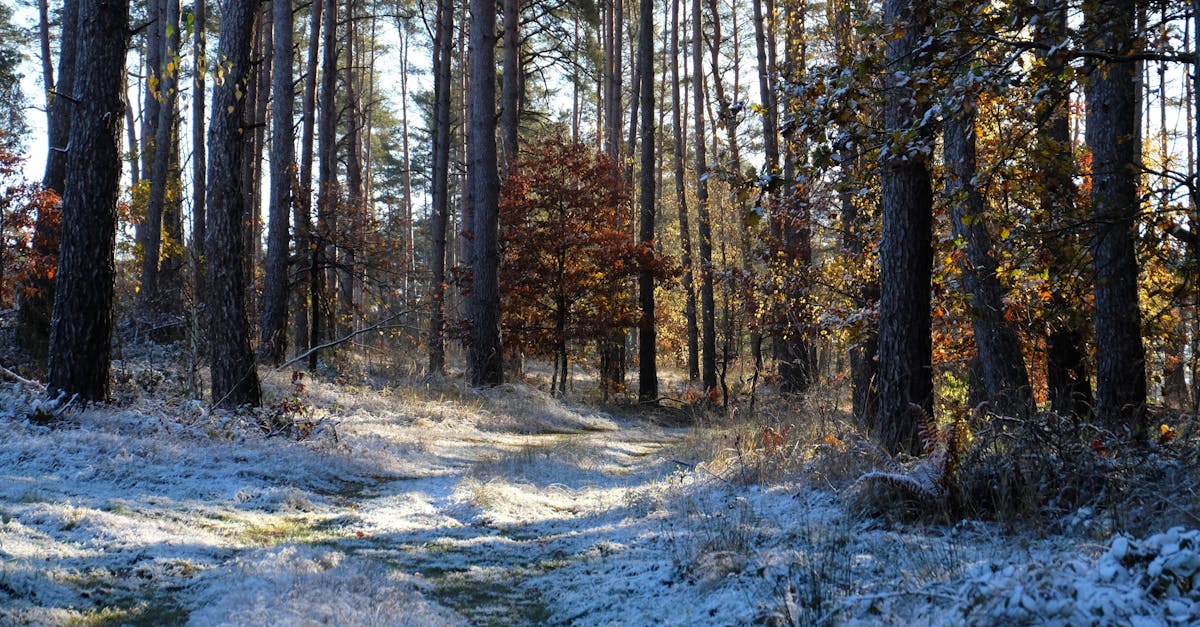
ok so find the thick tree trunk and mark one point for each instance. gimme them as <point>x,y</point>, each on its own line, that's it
<point>81,328</point>
<point>283,163</point>
<point>33,320</point>
<point>906,253</point>
<point>1001,364</point>
<point>440,211</point>
<point>647,349</point>
<point>685,235</point>
<point>708,353</point>
<point>1112,134</point>
<point>486,363</point>
<point>234,377</point>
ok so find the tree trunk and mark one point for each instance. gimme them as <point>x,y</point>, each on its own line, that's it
<point>306,243</point>
<point>1067,375</point>
<point>350,235</point>
<point>1112,131</point>
<point>486,363</point>
<point>199,174</point>
<point>906,253</point>
<point>685,235</point>
<point>1001,364</point>
<point>440,210</point>
<point>327,199</point>
<point>283,162</point>
<point>510,93</point>
<point>234,377</point>
<point>708,353</point>
<point>149,302</point>
<point>37,303</point>
<point>647,350</point>
<point>81,329</point>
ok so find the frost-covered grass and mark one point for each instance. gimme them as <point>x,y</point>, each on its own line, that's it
<point>430,504</point>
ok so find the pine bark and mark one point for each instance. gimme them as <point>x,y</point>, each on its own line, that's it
<point>685,235</point>
<point>81,327</point>
<point>647,348</point>
<point>510,92</point>
<point>199,172</point>
<point>283,163</point>
<point>234,377</point>
<point>906,253</point>
<point>486,360</point>
<point>320,278</point>
<point>306,243</point>
<point>708,332</point>
<point>1112,135</point>
<point>440,209</point>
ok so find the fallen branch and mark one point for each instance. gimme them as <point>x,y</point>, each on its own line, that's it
<point>341,340</point>
<point>12,376</point>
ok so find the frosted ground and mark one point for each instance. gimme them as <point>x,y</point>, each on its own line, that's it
<point>433,505</point>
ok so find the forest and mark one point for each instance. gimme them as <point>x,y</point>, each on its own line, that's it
<point>599,312</point>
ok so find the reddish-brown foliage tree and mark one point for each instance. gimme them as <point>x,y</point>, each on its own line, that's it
<point>21,202</point>
<point>567,261</point>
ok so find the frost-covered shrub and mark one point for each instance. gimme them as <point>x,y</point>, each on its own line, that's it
<point>1151,581</point>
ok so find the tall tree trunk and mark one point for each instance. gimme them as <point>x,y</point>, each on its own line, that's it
<point>1112,132</point>
<point>685,235</point>
<point>510,93</point>
<point>306,243</point>
<point>37,304</point>
<point>486,363</point>
<point>283,162</point>
<point>234,377</point>
<point>348,259</point>
<point>647,349</point>
<point>199,174</point>
<point>81,328</point>
<point>1067,377</point>
<point>149,297</point>
<point>327,199</point>
<point>440,211</point>
<point>708,353</point>
<point>1002,366</point>
<point>906,253</point>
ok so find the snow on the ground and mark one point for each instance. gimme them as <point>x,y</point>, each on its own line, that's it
<point>436,505</point>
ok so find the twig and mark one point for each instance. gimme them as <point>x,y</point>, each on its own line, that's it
<point>341,340</point>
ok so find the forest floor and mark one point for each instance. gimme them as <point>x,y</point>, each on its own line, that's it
<point>433,504</point>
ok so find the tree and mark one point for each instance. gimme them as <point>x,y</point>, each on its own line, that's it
<point>708,333</point>
<point>906,252</point>
<point>306,243</point>
<point>647,351</point>
<point>486,360</point>
<point>234,377</point>
<point>440,209</point>
<point>81,327</point>
<point>685,235</point>
<point>567,259</point>
<point>1112,136</point>
<point>283,165</point>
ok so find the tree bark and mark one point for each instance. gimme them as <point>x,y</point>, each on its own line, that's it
<point>440,210</point>
<point>486,363</point>
<point>234,377</point>
<point>510,93</point>
<point>647,349</point>
<point>283,163</point>
<point>322,249</point>
<point>81,328</point>
<point>199,173</point>
<point>306,243</point>
<point>906,253</point>
<point>1112,134</point>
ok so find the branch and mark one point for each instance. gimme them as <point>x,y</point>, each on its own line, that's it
<point>9,374</point>
<point>341,340</point>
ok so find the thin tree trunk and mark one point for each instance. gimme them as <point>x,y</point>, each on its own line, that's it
<point>510,93</point>
<point>440,211</point>
<point>306,243</point>
<point>81,330</point>
<point>199,45</point>
<point>322,249</point>
<point>348,259</point>
<point>487,364</point>
<point>685,235</point>
<point>708,365</point>
<point>283,163</point>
